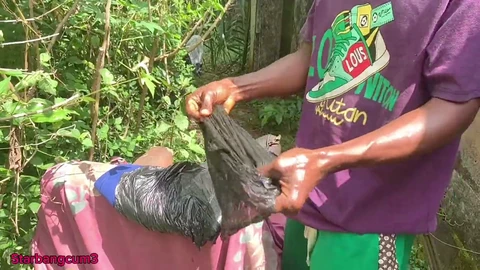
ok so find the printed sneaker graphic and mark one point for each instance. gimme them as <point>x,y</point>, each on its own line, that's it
<point>359,50</point>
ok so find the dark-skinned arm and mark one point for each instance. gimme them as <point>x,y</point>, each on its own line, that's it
<point>418,132</point>
<point>285,77</point>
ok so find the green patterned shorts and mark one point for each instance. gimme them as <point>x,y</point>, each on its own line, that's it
<point>345,251</point>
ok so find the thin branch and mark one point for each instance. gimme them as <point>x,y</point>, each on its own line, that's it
<point>33,18</point>
<point>26,25</point>
<point>453,246</point>
<point>12,69</point>
<point>62,24</point>
<point>149,69</point>
<point>184,41</point>
<point>36,48</point>
<point>56,106</point>
<point>204,37</point>
<point>165,61</point>
<point>214,25</point>
<point>15,164</point>
<point>27,41</point>
<point>97,76</point>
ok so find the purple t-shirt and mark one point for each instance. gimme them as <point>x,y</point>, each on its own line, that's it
<point>371,63</point>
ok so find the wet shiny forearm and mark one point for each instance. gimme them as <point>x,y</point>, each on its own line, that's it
<point>418,132</point>
<point>285,77</point>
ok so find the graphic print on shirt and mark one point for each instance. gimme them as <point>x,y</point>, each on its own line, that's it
<point>356,54</point>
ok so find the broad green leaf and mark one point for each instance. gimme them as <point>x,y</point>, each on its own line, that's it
<point>167,100</point>
<point>181,122</point>
<point>60,159</point>
<point>107,76</point>
<point>36,161</point>
<point>11,107</point>
<point>76,133</point>
<point>4,86</point>
<point>40,101</point>
<point>196,148</point>
<point>95,42</point>
<point>5,172</point>
<point>150,26</point>
<point>3,213</point>
<point>51,116</point>
<point>103,132</point>
<point>29,81</point>
<point>48,85</point>
<point>44,59</point>
<point>113,91</point>
<point>163,127</point>
<point>87,142</point>
<point>89,64</point>
<point>74,60</point>
<point>58,100</point>
<point>184,153</point>
<point>150,85</point>
<point>34,206</point>
<point>45,166</point>
<point>278,118</point>
<point>88,99</point>
<point>118,121</point>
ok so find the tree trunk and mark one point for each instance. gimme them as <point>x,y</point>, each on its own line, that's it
<point>300,14</point>
<point>267,33</point>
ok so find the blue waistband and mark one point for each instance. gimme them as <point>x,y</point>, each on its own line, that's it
<point>108,182</point>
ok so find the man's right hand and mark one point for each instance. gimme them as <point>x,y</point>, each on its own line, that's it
<point>283,78</point>
<point>200,103</point>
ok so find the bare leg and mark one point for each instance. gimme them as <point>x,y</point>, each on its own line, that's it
<point>156,156</point>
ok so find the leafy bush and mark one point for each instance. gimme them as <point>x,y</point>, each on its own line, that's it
<point>50,102</point>
<point>280,112</point>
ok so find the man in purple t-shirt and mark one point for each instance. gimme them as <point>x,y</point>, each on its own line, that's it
<point>390,86</point>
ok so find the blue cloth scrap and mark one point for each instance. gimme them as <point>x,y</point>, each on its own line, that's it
<point>108,182</point>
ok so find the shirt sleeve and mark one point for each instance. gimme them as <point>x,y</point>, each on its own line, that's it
<point>452,66</point>
<point>306,32</point>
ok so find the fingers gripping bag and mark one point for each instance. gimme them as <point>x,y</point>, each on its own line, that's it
<point>233,156</point>
<point>182,199</point>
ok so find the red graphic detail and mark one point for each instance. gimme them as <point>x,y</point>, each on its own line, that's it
<point>357,59</point>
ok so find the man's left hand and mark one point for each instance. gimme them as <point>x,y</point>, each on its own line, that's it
<point>298,172</point>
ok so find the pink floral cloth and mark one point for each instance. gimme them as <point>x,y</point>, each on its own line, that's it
<point>74,219</point>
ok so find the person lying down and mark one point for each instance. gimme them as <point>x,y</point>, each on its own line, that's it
<point>77,223</point>
<point>179,198</point>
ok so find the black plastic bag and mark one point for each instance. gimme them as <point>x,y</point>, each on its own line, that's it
<point>179,199</point>
<point>199,202</point>
<point>233,156</point>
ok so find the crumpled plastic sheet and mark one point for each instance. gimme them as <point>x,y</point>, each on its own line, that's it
<point>179,199</point>
<point>202,202</point>
<point>233,156</point>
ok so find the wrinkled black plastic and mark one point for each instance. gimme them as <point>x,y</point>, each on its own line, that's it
<point>179,199</point>
<point>233,156</point>
<point>199,202</point>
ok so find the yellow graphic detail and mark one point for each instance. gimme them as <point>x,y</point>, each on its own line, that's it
<point>336,25</point>
<point>372,37</point>
<point>336,112</point>
<point>364,19</point>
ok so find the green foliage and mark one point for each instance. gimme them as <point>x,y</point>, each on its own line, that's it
<point>50,130</point>
<point>417,259</point>
<point>280,112</point>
